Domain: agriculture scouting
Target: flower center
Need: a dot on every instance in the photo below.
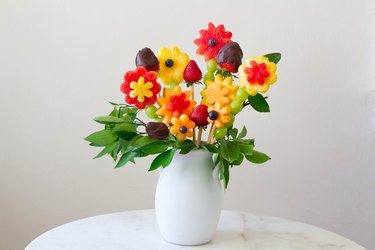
(169, 63)
(183, 129)
(213, 115)
(178, 103)
(212, 42)
(256, 73)
(141, 89)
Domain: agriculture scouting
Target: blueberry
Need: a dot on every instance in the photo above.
(213, 115)
(212, 42)
(183, 130)
(169, 63)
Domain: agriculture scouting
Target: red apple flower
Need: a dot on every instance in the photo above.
(140, 87)
(212, 40)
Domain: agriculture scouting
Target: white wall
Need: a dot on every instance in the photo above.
(60, 61)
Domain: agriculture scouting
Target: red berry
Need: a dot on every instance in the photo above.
(192, 73)
(199, 115)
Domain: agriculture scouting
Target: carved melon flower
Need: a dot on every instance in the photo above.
(212, 40)
(140, 87)
(172, 65)
(182, 127)
(174, 103)
(219, 115)
(257, 74)
(228, 83)
(221, 90)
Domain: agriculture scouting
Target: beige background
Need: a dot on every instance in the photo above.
(61, 61)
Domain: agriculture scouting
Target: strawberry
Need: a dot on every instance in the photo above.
(192, 73)
(199, 115)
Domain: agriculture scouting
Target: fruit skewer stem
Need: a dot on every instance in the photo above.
(200, 135)
(211, 133)
(192, 99)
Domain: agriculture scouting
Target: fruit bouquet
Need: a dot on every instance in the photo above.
(182, 121)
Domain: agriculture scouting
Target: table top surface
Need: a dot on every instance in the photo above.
(138, 230)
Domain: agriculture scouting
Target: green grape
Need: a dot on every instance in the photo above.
(171, 85)
(241, 94)
(220, 133)
(235, 107)
(151, 111)
(209, 76)
(229, 124)
(211, 65)
(158, 119)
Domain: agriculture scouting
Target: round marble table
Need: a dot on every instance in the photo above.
(137, 230)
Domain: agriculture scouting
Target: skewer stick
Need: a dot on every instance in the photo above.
(200, 135)
(194, 140)
(213, 141)
(192, 99)
(211, 133)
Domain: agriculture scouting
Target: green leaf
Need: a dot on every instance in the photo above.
(114, 112)
(233, 133)
(273, 57)
(155, 147)
(246, 148)
(239, 160)
(140, 140)
(109, 148)
(224, 172)
(125, 158)
(187, 146)
(211, 148)
(162, 159)
(108, 120)
(230, 151)
(257, 157)
(125, 131)
(243, 133)
(259, 103)
(102, 137)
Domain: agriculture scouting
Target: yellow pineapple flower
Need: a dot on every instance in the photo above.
(141, 89)
(172, 65)
(174, 103)
(257, 74)
(182, 127)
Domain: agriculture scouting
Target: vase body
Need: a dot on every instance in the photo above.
(188, 199)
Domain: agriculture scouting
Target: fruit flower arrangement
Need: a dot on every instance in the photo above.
(179, 118)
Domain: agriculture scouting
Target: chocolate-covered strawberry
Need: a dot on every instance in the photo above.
(147, 59)
(230, 57)
(199, 115)
(157, 130)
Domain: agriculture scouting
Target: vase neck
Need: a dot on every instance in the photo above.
(194, 158)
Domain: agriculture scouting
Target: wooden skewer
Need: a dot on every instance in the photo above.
(211, 133)
(192, 92)
(200, 135)
(194, 140)
(213, 141)
(192, 99)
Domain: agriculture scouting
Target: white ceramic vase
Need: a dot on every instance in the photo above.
(188, 199)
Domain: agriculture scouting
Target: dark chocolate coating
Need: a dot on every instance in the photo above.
(146, 58)
(231, 53)
(157, 130)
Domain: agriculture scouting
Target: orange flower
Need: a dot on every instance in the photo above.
(223, 115)
(221, 90)
(174, 103)
(182, 127)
